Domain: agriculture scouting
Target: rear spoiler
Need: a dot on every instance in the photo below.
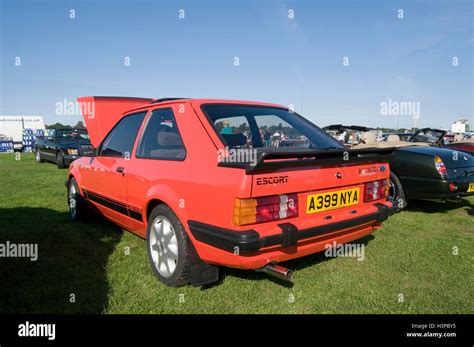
(273, 160)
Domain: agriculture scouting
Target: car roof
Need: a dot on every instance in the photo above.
(199, 102)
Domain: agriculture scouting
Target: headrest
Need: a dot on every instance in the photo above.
(234, 140)
(369, 137)
(393, 138)
(168, 137)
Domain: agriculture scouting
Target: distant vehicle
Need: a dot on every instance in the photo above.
(405, 136)
(348, 134)
(13, 126)
(440, 138)
(424, 168)
(402, 136)
(62, 146)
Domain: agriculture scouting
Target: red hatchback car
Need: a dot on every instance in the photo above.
(213, 183)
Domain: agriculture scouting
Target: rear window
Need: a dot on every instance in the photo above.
(72, 134)
(248, 126)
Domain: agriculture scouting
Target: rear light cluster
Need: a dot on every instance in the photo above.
(440, 166)
(265, 209)
(376, 190)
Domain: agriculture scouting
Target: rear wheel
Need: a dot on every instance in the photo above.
(168, 247)
(396, 193)
(60, 160)
(38, 156)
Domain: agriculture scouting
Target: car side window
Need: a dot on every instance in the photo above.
(161, 138)
(119, 142)
(50, 133)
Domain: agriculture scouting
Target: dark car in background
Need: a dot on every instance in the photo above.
(423, 167)
(62, 146)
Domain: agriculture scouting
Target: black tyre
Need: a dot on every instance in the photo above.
(168, 247)
(77, 206)
(38, 156)
(60, 160)
(396, 193)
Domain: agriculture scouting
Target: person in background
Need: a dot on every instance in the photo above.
(267, 136)
(227, 130)
(342, 136)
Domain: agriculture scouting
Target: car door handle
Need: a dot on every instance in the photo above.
(119, 169)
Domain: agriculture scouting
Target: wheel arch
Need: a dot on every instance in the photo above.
(74, 173)
(402, 186)
(157, 200)
(151, 205)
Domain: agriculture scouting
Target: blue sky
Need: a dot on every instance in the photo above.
(295, 61)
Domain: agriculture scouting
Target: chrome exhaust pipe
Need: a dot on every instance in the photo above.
(278, 271)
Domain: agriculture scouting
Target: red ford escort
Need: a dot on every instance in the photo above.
(212, 183)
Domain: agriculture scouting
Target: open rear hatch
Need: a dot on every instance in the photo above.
(101, 113)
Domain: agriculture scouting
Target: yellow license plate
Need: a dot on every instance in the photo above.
(471, 187)
(332, 200)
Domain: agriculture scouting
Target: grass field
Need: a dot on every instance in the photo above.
(410, 258)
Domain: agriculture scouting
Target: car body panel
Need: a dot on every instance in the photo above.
(420, 179)
(198, 189)
(467, 147)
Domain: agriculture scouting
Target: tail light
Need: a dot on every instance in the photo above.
(440, 166)
(265, 209)
(376, 190)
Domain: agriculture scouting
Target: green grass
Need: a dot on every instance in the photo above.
(412, 254)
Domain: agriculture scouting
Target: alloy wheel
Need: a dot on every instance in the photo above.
(164, 246)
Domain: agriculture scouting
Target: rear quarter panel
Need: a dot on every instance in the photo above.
(413, 164)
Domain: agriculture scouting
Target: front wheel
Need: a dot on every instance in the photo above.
(38, 156)
(77, 205)
(168, 247)
(60, 160)
(396, 193)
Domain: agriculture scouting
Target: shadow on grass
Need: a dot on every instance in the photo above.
(427, 206)
(71, 263)
(295, 264)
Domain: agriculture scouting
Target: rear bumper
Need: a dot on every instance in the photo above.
(250, 241)
(426, 188)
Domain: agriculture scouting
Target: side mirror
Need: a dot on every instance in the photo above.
(91, 154)
(95, 152)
